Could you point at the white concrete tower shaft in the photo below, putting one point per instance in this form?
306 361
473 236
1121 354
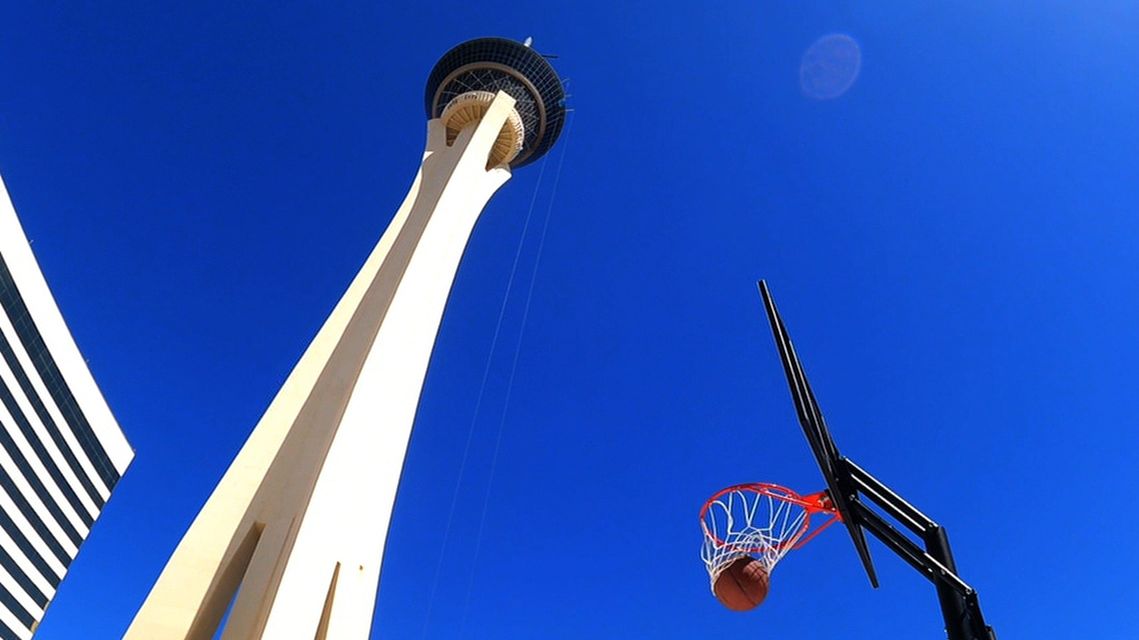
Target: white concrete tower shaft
285 536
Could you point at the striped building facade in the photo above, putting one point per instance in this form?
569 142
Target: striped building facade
61 450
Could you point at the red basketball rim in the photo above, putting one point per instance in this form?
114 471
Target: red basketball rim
819 502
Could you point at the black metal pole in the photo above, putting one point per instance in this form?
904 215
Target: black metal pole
957 625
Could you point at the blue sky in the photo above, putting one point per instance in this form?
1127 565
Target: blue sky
952 244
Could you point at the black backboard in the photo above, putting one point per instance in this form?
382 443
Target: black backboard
818 435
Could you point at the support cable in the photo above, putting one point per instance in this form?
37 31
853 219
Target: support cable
479 399
513 370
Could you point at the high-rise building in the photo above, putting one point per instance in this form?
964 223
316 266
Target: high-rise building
61 450
291 541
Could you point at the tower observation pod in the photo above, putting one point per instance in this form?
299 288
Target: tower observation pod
291 540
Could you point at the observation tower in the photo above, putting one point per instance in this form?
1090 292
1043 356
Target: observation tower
286 543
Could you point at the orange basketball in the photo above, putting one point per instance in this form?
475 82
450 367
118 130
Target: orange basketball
743 585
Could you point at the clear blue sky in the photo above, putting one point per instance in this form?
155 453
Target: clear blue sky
953 244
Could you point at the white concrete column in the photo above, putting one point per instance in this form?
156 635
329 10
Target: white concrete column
287 521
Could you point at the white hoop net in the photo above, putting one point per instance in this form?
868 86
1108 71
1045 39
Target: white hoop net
763 521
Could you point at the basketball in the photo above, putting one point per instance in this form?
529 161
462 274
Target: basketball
743 585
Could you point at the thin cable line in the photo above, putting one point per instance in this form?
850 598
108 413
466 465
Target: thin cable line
513 371
478 401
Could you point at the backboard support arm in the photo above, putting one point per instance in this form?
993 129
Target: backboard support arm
960 606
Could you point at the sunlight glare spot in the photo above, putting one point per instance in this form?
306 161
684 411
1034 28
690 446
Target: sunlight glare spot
830 66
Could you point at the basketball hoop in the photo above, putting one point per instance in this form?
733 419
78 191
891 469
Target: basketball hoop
761 520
